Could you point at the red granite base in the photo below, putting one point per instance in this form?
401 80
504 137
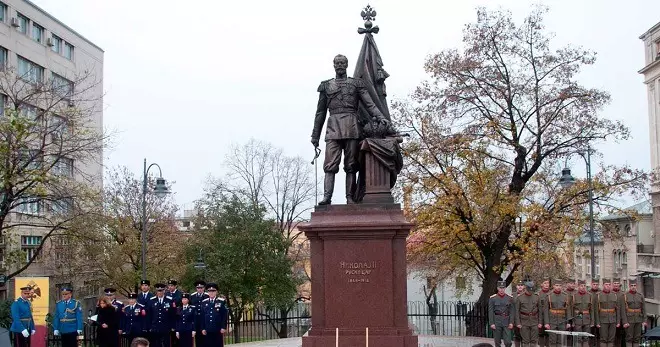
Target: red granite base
358 257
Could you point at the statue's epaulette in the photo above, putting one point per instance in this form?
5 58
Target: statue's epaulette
323 85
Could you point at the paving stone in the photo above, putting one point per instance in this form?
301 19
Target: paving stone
424 341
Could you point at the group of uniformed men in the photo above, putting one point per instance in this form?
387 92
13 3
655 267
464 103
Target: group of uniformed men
166 317
611 315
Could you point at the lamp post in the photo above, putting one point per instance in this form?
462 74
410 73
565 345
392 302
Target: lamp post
160 190
200 264
566 181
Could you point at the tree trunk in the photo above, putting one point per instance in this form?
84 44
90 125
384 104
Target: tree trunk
284 328
477 318
237 334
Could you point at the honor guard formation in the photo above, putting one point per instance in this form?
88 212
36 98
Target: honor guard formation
165 318
558 312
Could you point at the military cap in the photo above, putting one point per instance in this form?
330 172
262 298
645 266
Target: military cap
606 280
570 280
582 282
159 287
529 285
501 284
520 283
616 280
185 296
546 278
632 281
172 282
200 284
66 289
109 291
132 296
147 282
26 288
211 286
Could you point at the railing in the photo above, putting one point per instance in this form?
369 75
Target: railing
645 249
257 324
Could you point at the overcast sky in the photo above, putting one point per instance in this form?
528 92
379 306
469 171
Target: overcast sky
184 80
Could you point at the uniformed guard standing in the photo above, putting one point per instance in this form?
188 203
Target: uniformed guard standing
145 294
133 321
583 312
527 316
569 288
68 319
620 332
608 314
633 314
520 290
161 312
214 318
118 305
543 297
595 289
557 312
500 315
174 294
196 299
22 324
185 322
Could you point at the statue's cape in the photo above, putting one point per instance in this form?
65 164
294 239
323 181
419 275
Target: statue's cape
369 68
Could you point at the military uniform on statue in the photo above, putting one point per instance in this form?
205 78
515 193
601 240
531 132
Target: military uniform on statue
68 320
22 323
633 314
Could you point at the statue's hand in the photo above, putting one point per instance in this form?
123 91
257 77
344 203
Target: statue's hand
315 142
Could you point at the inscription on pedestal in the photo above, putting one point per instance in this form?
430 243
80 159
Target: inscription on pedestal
358 272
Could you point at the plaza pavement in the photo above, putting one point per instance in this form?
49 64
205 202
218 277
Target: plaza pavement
424 341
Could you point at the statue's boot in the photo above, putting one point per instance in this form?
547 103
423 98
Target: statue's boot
328 188
350 187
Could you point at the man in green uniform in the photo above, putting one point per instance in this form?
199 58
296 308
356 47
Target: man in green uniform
633 314
583 312
520 290
543 298
608 314
557 313
527 316
595 289
569 288
620 332
500 312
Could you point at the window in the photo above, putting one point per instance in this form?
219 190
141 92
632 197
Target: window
37 33
3 12
68 51
62 206
597 270
62 86
186 224
28 111
587 265
3 58
2 104
60 127
63 167
649 289
578 266
657 50
627 229
30 71
29 206
616 259
56 42
30 240
624 258
30 160
23 23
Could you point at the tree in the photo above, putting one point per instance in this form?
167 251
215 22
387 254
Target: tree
49 140
245 254
112 238
487 134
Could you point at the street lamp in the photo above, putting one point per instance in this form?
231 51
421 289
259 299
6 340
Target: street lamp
566 180
200 264
160 190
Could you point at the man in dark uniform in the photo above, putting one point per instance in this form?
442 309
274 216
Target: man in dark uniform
527 316
214 318
633 314
145 295
520 290
68 320
161 313
608 314
196 299
133 321
500 315
173 294
544 338
583 312
620 332
341 96
22 322
557 310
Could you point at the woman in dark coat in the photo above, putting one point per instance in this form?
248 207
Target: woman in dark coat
185 322
107 324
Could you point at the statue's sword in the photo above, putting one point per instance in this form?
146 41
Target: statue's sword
317 153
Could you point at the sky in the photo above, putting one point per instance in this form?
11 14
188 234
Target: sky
185 80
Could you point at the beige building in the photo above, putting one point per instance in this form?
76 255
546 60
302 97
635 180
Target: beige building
42 50
649 258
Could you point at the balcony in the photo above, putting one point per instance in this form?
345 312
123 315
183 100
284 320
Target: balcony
648 262
648 249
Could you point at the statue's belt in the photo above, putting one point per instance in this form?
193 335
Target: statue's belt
342 110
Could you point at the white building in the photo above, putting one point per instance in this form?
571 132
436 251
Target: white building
35 44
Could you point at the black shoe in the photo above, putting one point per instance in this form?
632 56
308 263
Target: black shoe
326 201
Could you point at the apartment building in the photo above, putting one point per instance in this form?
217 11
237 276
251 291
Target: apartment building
41 49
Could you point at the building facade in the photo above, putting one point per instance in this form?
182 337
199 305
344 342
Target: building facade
44 51
649 258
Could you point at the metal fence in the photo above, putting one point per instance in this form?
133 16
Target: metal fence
257 324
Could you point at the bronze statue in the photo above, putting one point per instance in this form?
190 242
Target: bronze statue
341 96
